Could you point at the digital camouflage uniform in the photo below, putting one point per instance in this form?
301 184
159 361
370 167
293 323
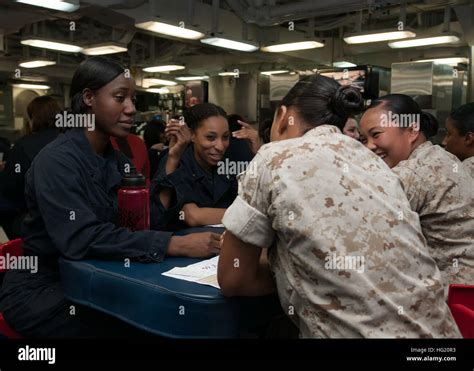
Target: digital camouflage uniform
322 195
468 165
442 193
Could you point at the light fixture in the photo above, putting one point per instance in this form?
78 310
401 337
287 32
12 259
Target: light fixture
343 64
170 30
229 73
452 61
53 45
274 72
32 86
152 82
191 78
62 5
166 68
158 90
36 62
376 36
230 44
424 41
301 45
104 48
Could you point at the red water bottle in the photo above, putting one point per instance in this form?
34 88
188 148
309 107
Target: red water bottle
134 202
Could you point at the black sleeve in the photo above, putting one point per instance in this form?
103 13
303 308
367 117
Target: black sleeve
181 183
12 178
72 224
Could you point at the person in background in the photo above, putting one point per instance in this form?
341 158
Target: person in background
459 139
264 130
4 148
256 138
320 199
41 130
438 187
350 128
134 148
156 142
239 150
191 187
71 192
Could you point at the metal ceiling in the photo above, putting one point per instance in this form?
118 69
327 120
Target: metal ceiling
261 20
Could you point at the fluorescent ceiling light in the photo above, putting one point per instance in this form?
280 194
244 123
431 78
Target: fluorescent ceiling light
191 78
170 67
274 72
278 48
62 5
152 82
453 61
37 62
103 49
45 44
343 64
32 86
170 30
376 36
230 44
229 73
435 40
158 90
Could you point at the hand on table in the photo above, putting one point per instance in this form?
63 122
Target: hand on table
202 245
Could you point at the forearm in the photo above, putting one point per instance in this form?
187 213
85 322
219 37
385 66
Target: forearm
199 216
166 194
177 246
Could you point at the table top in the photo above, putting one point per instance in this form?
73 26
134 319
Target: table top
140 295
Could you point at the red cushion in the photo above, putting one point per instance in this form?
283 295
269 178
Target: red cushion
464 318
461 294
6 331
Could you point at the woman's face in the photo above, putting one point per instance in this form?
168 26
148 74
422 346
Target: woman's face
350 129
391 144
114 106
453 141
210 140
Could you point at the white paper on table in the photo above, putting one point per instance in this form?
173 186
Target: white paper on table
203 272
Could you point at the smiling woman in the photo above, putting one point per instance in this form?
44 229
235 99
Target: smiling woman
438 187
71 192
187 189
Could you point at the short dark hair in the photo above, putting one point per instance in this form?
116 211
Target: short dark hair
402 104
264 130
194 115
93 74
463 118
321 100
42 112
153 131
233 122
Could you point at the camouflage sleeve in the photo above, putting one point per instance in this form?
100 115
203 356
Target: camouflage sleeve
412 185
247 218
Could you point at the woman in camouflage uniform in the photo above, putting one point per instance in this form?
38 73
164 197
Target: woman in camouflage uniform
346 254
437 186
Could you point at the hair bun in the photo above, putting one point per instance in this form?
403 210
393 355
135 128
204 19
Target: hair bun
346 101
428 124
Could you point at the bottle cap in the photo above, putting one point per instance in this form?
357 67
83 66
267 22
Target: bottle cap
133 178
